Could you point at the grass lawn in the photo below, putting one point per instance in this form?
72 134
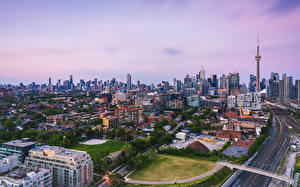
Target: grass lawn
297 166
169 167
104 149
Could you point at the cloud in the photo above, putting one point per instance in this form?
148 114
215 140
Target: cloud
172 51
284 6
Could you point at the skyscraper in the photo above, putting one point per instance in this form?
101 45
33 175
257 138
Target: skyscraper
71 80
252 83
202 73
288 89
281 91
273 88
128 81
58 82
298 90
223 82
257 57
95 82
214 81
233 83
49 81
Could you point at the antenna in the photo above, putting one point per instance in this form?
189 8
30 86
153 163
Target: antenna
257 39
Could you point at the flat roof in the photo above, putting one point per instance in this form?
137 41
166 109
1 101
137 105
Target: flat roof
19 143
60 151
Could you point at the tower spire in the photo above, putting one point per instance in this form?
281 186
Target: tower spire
257 57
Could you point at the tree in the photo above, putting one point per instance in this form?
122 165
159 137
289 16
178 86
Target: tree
38 117
9 124
32 134
141 160
120 132
140 144
45 135
30 125
56 140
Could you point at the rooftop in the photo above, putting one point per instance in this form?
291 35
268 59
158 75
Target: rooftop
20 143
18 175
58 151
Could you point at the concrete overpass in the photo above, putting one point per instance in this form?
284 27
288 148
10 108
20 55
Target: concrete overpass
258 171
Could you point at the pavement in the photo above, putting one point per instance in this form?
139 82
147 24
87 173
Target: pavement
217 168
94 142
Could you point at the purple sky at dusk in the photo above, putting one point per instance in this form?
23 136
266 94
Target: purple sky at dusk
153 40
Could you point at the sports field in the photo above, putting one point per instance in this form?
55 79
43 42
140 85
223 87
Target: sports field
168 168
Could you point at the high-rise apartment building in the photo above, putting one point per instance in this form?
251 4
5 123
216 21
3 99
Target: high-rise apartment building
68 167
288 89
214 81
281 91
129 81
58 83
297 90
202 73
273 88
71 80
223 81
252 83
233 83
177 85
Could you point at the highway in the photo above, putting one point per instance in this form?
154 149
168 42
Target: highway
269 157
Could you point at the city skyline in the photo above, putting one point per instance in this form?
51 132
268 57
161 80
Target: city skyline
151 40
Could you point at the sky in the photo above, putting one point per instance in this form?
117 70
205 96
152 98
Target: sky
153 40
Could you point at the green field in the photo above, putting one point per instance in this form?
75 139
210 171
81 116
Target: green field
168 168
102 149
215 180
297 167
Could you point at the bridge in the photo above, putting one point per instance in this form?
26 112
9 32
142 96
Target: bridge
258 171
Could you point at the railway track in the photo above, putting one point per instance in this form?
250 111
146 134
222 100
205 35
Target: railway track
269 157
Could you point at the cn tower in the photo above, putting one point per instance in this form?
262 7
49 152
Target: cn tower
257 57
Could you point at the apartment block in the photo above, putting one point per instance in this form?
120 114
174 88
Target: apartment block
68 167
19 148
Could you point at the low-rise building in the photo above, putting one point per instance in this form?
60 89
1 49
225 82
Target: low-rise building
230 132
68 167
110 122
57 119
19 148
130 114
174 104
193 100
181 136
27 177
8 163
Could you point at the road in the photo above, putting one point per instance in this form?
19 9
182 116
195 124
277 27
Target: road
269 157
217 168
178 125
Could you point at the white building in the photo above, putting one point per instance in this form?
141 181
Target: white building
181 136
27 177
250 101
8 163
